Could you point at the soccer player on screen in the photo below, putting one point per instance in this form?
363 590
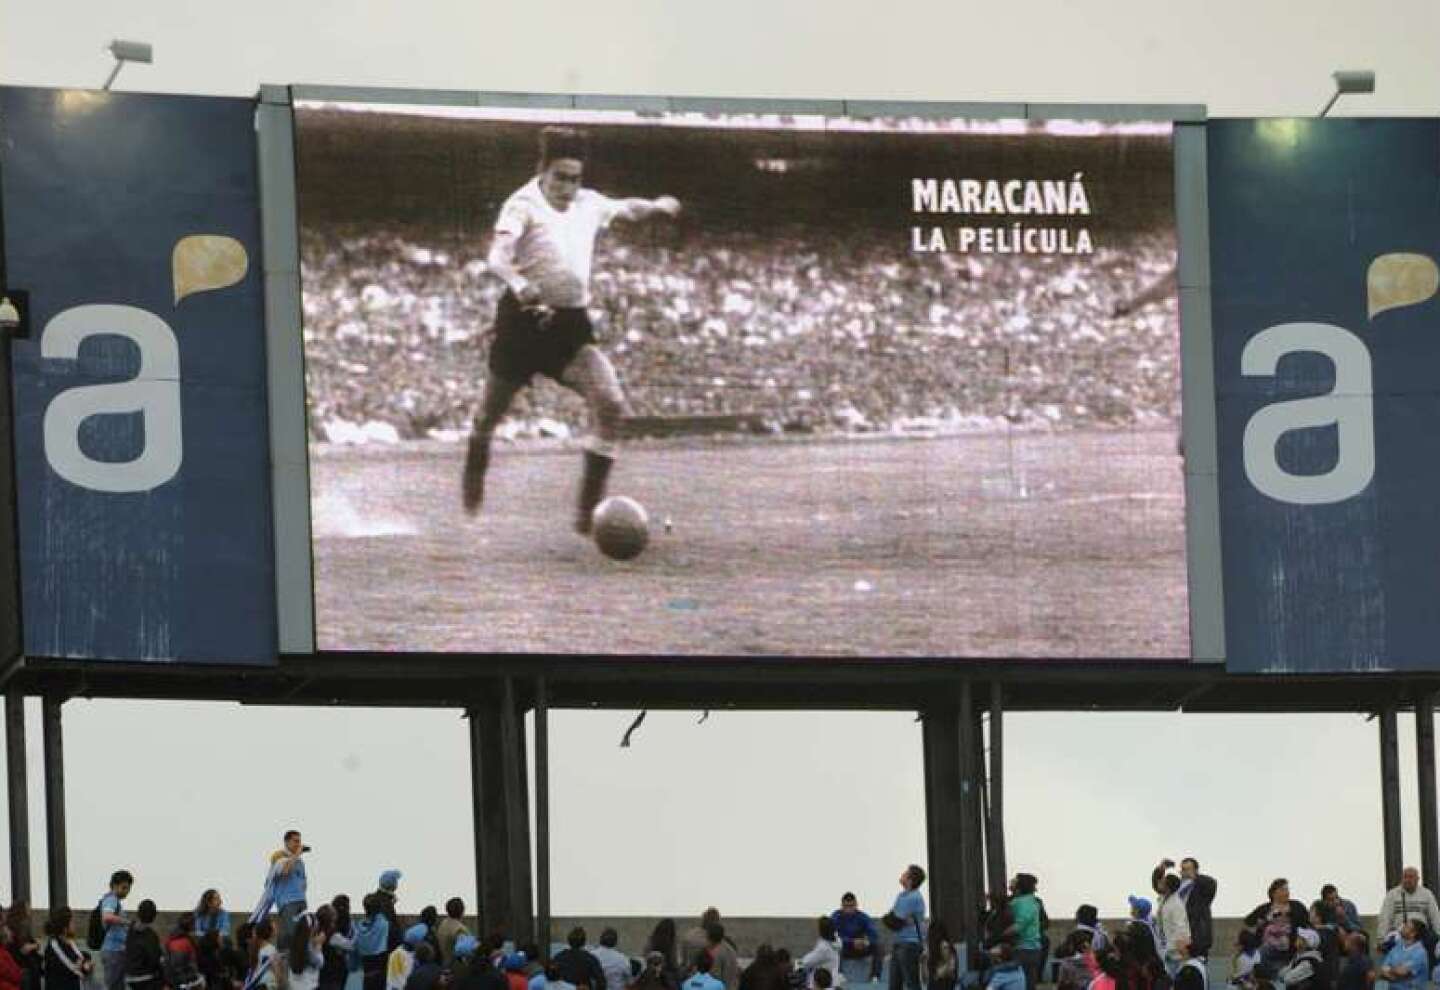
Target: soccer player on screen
543 248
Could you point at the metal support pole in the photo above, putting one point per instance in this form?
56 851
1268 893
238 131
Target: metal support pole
971 857
19 796
517 825
1425 771
995 853
542 816
985 843
57 862
12 637
484 920
945 814
1390 796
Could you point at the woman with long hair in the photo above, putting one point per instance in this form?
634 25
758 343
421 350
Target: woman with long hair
304 957
335 945
67 966
211 916
662 940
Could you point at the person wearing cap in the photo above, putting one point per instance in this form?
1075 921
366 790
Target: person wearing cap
1405 966
1142 915
513 964
613 963
385 896
402 959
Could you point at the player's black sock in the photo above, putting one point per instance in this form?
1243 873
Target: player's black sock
477 459
592 488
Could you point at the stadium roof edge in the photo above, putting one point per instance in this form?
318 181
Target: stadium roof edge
977 110
459 681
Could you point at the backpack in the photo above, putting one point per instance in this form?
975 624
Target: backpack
95 930
180 969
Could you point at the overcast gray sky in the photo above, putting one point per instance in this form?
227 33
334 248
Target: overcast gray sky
759 814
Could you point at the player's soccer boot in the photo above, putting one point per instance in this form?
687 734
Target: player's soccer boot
477 459
592 488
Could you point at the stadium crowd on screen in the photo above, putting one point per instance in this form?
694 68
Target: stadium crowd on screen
804 336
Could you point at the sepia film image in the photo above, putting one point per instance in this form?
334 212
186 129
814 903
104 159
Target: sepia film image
704 384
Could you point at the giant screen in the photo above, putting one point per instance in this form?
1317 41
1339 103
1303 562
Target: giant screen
886 387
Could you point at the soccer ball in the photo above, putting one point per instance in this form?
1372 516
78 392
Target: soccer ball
621 527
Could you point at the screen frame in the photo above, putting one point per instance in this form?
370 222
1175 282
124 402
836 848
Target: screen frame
275 125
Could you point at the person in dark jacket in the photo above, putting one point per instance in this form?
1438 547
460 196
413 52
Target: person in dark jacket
427 972
480 972
23 945
1190 973
578 966
859 940
143 959
385 898
657 975
1276 922
1197 891
10 972
67 966
1357 972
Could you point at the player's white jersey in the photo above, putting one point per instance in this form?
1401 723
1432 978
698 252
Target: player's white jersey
554 250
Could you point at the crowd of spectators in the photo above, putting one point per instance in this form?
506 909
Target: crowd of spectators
1165 944
843 330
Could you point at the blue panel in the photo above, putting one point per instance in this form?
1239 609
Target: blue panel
1299 210
99 192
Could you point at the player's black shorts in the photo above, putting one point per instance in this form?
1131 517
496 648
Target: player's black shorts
527 344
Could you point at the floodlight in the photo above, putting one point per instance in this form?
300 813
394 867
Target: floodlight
127 51
1350 81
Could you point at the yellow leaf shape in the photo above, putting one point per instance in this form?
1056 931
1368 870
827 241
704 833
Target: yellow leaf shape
203 262
1400 279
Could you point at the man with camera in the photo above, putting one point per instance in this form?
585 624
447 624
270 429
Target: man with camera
287 876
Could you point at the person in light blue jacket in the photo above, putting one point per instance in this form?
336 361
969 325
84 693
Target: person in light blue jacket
1005 972
1405 966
